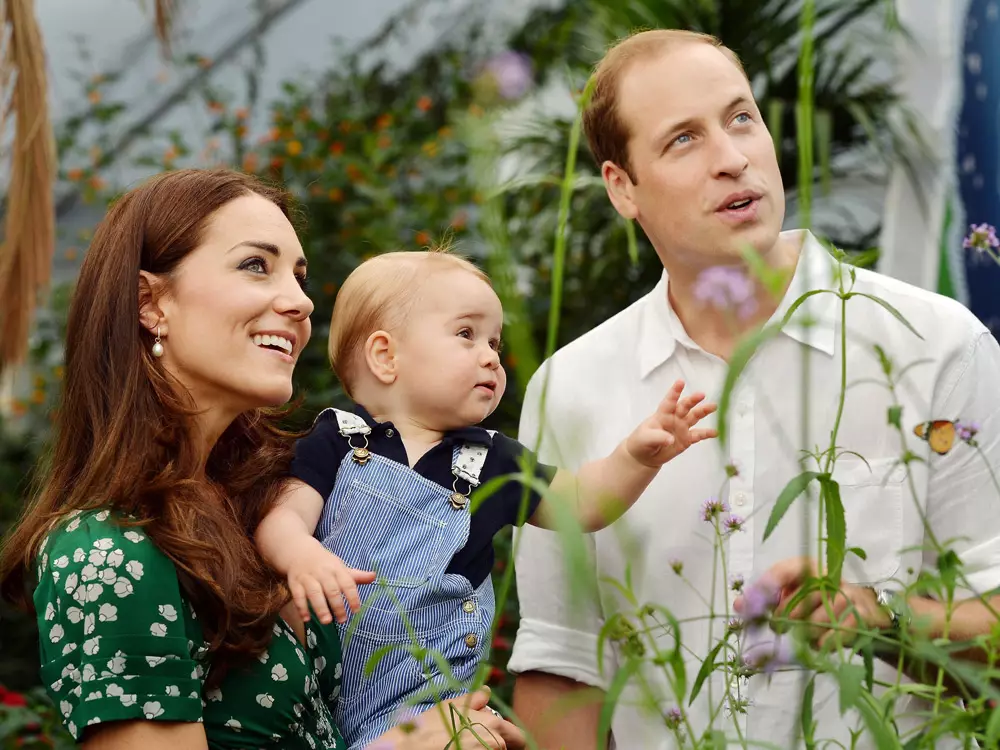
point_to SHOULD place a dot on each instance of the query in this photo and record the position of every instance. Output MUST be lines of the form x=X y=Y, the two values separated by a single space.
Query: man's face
x=707 y=178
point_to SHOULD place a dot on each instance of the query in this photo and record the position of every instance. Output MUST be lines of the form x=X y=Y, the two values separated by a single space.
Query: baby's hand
x=671 y=430
x=317 y=576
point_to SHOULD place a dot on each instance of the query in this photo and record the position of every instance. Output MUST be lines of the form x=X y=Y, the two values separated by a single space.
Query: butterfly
x=939 y=434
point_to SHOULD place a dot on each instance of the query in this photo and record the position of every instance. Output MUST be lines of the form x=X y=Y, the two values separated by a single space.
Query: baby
x=415 y=341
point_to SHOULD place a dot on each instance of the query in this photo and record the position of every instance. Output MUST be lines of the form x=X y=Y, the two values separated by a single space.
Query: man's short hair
x=607 y=133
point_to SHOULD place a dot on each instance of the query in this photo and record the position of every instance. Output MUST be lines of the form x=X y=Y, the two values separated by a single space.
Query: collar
x=470 y=434
x=660 y=330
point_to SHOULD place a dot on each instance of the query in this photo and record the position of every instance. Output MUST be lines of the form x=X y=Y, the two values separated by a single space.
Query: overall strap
x=468 y=461
x=349 y=423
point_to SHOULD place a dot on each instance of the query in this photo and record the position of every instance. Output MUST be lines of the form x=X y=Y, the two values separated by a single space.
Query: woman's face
x=234 y=316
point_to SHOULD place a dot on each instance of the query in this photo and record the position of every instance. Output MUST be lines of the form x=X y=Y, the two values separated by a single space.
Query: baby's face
x=447 y=356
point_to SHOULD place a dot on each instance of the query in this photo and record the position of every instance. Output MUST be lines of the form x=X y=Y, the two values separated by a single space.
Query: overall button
x=390 y=432
x=741 y=499
x=469 y=606
x=471 y=640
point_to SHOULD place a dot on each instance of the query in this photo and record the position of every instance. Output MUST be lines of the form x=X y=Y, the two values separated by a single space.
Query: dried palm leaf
x=29 y=226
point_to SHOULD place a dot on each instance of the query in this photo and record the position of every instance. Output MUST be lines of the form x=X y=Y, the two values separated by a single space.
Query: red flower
x=501 y=644
x=10 y=698
x=496 y=675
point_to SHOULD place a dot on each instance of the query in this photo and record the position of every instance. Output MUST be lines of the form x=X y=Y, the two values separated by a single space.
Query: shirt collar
x=660 y=330
x=470 y=434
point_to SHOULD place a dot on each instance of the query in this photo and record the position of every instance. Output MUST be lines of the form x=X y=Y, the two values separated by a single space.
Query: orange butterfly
x=939 y=433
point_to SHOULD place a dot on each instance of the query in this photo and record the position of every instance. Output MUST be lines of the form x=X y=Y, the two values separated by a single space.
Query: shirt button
x=471 y=640
x=390 y=432
x=741 y=499
x=469 y=606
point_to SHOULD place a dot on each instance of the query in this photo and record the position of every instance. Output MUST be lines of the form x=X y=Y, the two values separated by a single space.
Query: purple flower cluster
x=726 y=288
x=982 y=238
x=966 y=430
x=673 y=718
x=512 y=73
x=767 y=651
x=713 y=508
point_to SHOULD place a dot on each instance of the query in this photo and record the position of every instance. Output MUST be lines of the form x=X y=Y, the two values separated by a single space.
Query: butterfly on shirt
x=940 y=434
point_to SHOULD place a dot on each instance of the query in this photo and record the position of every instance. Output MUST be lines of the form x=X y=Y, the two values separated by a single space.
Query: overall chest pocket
x=872 y=494
x=387 y=532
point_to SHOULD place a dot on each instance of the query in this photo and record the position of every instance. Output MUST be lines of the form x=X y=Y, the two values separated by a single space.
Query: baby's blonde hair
x=377 y=295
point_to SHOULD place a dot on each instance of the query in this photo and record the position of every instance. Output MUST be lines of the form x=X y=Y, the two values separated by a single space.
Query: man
x=684 y=151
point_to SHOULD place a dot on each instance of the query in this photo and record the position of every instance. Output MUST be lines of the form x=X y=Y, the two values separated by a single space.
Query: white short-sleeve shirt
x=604 y=383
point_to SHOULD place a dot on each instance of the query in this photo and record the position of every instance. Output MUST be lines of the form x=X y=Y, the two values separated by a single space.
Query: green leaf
x=850 y=678
x=806 y=717
x=895 y=416
x=611 y=698
x=836 y=528
x=890 y=309
x=859 y=552
x=885 y=735
x=707 y=667
x=993 y=729
x=795 y=487
x=740 y=358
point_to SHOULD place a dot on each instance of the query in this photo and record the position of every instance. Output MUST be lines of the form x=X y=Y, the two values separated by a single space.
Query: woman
x=160 y=627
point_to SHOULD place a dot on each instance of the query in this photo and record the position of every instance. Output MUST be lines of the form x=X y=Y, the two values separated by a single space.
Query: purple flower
x=982 y=238
x=733 y=523
x=512 y=74
x=713 y=508
x=735 y=625
x=726 y=288
x=758 y=600
x=736 y=583
x=673 y=717
x=966 y=430
x=767 y=651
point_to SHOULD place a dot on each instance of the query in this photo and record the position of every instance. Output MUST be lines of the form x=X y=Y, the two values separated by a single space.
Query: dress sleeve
x=111 y=621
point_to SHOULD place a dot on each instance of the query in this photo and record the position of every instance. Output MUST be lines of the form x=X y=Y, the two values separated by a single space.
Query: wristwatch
x=889 y=600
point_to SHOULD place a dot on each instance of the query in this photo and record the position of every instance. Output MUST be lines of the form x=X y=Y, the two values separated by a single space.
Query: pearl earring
x=157 y=346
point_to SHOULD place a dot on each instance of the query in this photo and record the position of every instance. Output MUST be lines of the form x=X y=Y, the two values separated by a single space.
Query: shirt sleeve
x=513 y=456
x=963 y=492
x=557 y=633
x=112 y=634
x=319 y=454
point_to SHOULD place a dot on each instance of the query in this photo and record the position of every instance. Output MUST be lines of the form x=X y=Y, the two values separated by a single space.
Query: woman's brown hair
x=122 y=429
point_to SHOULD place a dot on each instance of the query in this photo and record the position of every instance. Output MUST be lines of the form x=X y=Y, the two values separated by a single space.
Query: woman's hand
x=464 y=723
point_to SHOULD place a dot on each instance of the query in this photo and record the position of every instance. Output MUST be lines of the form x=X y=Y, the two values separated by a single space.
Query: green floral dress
x=119 y=641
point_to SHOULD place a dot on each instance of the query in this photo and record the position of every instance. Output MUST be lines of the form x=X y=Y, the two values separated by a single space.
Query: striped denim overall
x=384 y=516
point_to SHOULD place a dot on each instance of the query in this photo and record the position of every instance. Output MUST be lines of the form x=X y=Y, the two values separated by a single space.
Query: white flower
x=151 y=709
x=97 y=557
x=167 y=612
x=234 y=724
x=68 y=670
x=60 y=562
x=265 y=700
x=75 y=614
x=337 y=671
x=311 y=639
x=71 y=727
x=94 y=696
x=80 y=594
x=73 y=525
x=302 y=657
x=155 y=661
x=116 y=664
x=134 y=568
x=158 y=629
x=50 y=612
x=95 y=720
x=68 y=648
x=66 y=707
x=55 y=576
x=104 y=544
x=214 y=694
x=57 y=632
x=123 y=587
x=262 y=658
x=173 y=691
x=334 y=693
x=102 y=516
x=88 y=624
x=108 y=613
x=71 y=581
x=279 y=673
x=91 y=647
x=57 y=685
x=298 y=708
x=115 y=558
x=94 y=591
x=134 y=536
x=129 y=700
x=319 y=663
x=114 y=691
x=89 y=673
x=311 y=741
x=44 y=564
x=89 y=572
x=277 y=629
x=79 y=556
x=108 y=577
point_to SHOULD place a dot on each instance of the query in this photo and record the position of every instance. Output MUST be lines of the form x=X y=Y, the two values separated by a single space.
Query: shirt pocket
x=391 y=535
x=872 y=495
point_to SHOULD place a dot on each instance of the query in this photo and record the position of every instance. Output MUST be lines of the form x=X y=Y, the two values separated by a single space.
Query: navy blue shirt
x=319 y=454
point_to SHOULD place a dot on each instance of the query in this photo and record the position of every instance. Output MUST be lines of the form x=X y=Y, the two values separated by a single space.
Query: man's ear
x=620 y=189
x=380 y=356
x=151 y=316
